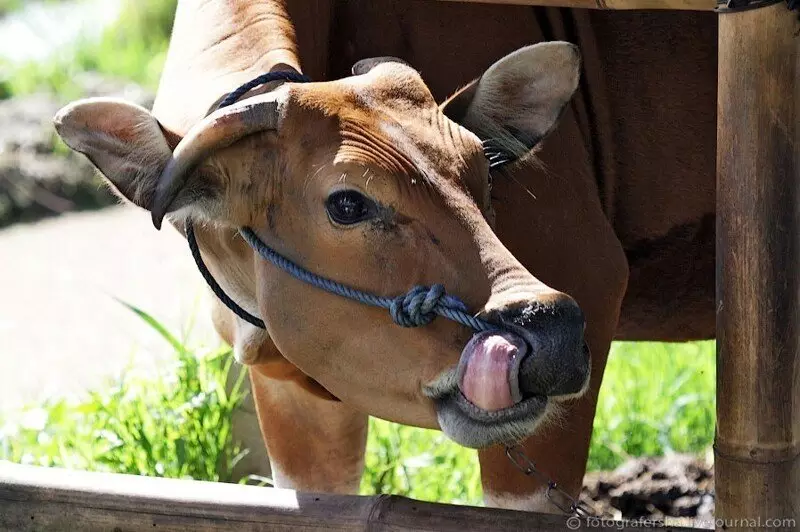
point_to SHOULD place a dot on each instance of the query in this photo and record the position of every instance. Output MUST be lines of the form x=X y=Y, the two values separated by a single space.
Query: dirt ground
x=678 y=489
x=61 y=329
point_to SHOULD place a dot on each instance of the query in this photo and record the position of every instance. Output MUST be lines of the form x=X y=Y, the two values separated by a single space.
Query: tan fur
x=313 y=443
x=629 y=161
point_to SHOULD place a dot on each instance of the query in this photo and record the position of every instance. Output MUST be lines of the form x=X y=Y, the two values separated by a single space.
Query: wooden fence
x=37 y=498
x=757 y=448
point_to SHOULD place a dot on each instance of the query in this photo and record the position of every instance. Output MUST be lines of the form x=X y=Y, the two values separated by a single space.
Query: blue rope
x=419 y=306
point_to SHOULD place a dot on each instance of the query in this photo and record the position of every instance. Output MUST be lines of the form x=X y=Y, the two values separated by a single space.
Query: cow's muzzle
x=540 y=352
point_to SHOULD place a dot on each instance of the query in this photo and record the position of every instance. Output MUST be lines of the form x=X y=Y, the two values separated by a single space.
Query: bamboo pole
x=684 y=5
x=757 y=447
x=35 y=498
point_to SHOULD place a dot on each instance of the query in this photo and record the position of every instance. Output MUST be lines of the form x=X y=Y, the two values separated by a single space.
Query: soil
x=39 y=176
x=678 y=489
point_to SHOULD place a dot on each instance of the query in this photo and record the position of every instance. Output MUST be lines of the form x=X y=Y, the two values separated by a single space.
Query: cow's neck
x=216 y=46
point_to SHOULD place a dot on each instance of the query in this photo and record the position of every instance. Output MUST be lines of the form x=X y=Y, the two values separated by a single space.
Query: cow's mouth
x=488 y=398
x=470 y=426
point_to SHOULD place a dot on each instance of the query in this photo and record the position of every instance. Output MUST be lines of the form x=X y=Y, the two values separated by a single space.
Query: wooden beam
x=683 y=5
x=35 y=498
x=757 y=447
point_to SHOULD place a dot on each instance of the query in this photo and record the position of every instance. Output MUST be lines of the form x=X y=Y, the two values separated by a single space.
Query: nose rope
x=417 y=307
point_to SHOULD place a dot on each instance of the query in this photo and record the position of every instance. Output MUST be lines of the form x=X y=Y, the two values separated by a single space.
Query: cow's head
x=367 y=181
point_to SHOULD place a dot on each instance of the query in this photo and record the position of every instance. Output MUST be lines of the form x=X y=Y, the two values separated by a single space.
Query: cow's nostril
x=561 y=374
x=557 y=361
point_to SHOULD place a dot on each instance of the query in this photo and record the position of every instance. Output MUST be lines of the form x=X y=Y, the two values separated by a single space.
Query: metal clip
x=732 y=6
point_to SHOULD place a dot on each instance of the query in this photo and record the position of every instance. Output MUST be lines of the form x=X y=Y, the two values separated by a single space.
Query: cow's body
x=645 y=117
x=625 y=193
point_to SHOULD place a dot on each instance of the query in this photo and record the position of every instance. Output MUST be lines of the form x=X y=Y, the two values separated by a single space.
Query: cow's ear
x=520 y=98
x=125 y=142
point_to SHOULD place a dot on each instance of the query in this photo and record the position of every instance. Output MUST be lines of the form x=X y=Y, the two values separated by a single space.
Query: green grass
x=419 y=463
x=655 y=398
x=134 y=48
x=8 y=6
x=178 y=425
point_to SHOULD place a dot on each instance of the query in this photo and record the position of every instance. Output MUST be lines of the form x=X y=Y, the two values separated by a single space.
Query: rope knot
x=420 y=305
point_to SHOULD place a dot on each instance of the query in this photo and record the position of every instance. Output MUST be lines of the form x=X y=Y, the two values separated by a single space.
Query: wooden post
x=757 y=447
x=683 y=5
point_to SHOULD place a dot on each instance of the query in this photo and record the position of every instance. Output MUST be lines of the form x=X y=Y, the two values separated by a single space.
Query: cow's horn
x=218 y=130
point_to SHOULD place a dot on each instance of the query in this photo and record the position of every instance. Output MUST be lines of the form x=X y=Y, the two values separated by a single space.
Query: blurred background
x=108 y=360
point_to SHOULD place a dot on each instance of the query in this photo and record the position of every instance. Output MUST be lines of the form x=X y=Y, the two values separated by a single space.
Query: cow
x=375 y=175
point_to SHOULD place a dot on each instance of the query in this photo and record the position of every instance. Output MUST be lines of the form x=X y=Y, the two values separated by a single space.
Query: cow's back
x=646 y=113
x=656 y=81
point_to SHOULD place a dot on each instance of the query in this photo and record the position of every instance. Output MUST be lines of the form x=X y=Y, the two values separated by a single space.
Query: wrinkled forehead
x=386 y=118
x=391 y=88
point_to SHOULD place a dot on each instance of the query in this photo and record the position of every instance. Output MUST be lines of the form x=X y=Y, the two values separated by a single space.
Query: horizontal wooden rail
x=681 y=5
x=36 y=498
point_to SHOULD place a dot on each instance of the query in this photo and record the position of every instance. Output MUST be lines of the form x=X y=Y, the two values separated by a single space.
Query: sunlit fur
x=383 y=134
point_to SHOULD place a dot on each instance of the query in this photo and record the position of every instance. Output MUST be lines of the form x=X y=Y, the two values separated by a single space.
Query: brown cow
x=366 y=180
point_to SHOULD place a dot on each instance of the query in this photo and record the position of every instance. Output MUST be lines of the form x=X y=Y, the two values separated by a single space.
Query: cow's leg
x=561 y=447
x=314 y=444
x=568 y=243
x=559 y=451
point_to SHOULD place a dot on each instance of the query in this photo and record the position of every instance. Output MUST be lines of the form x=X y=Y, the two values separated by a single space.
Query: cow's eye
x=347 y=207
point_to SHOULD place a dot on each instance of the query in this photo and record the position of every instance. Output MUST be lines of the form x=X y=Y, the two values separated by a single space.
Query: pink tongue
x=485 y=367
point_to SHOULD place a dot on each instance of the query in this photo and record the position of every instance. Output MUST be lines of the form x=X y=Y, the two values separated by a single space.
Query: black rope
x=230 y=99
x=269 y=77
x=212 y=283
